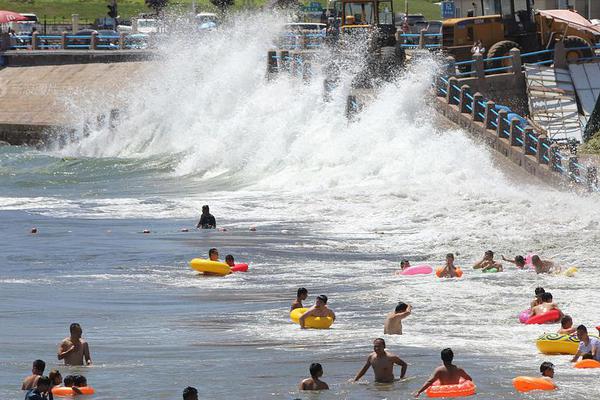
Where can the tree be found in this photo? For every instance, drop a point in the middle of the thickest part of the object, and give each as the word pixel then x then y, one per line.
pixel 222 5
pixel 156 5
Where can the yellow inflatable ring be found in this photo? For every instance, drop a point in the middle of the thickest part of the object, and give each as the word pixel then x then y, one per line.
pixel 311 322
pixel 555 343
pixel 210 267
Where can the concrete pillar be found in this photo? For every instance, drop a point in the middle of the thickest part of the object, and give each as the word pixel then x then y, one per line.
pixel 479 67
pixel 284 61
pixel 271 62
pixel 63 41
pixel 529 143
pixel 35 43
pixel 514 133
pixel 501 124
pixel 542 149
pixel 477 107
pixel 560 56
pixel 489 115
pixel 452 82
pixel 450 66
pixel 75 22
pixel 4 41
pixel 422 38
pixel 94 41
pixel 516 63
pixel 464 99
pixel 122 36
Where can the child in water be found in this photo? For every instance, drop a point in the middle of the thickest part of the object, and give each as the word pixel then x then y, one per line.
pixel 229 260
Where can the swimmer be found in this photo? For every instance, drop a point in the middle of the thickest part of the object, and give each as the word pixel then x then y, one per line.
pixel 547 371
pixel 447 374
pixel 488 262
pixel 539 291
pixel 587 345
pixel 74 350
pixel 519 261
pixel 320 309
pixel 229 260
pixel 393 321
pixel 41 390
pixel 37 370
pixel 543 266
pixel 55 378
pixel 382 362
pixel 314 382
pixel 190 393
pixel 449 270
pixel 207 220
pixel 547 305
pixel 300 297
pixel 566 326
pixel 213 254
pixel 404 264
pixel 68 381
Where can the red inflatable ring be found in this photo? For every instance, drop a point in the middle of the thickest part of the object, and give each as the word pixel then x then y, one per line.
pixel 550 316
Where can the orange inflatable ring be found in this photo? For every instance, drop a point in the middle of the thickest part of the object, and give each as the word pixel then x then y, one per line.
pixel 589 363
pixel 69 391
pixel 461 389
pixel 527 383
pixel 438 272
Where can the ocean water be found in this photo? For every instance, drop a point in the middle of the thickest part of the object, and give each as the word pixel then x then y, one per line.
pixel 336 206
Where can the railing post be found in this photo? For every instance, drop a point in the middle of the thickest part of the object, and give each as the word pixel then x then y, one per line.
pixel 451 83
pixel 555 159
pixel 542 149
pixel 516 63
pixel 271 62
pixel 63 40
pixel 592 178
pixel 422 38
pixel 501 124
pixel 514 132
pixel 35 45
pixel 451 66
pixel 464 99
pixel 573 169
pixel 528 142
pixel 477 107
pixel 489 115
pixel 122 40
pixel 306 70
pixel 479 67
pixel 94 41
pixel 284 61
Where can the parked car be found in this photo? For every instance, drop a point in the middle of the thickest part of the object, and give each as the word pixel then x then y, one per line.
pixel 82 39
pixel 407 23
pixel 108 39
pixel 207 21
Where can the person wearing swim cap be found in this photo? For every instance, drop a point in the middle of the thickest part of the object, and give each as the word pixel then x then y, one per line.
pixel 488 262
pixel 320 309
pixel 447 374
pixel 449 270
pixel 207 220
pixel 382 362
pixel 314 382
pixel 589 347
pixel 301 295
pixel 519 261
pixel 393 321
pixel 546 306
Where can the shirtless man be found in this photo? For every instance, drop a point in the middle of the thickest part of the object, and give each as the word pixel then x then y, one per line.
pixel 314 382
pixel 542 266
pixel 74 350
pixel 449 270
pixel 519 261
pixel 488 262
pixel 447 374
pixel 547 305
pixel 37 370
pixel 393 322
pixel 547 371
pixel 382 362
pixel 320 309
pixel 566 326
pixel 539 291
pixel 301 295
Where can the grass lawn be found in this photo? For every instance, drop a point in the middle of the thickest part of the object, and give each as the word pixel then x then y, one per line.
pixel 92 9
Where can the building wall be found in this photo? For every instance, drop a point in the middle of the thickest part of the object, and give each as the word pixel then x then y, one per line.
pixel 587 8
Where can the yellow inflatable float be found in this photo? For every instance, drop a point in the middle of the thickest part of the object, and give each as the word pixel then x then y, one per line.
pixel 210 267
pixel 555 343
pixel 311 322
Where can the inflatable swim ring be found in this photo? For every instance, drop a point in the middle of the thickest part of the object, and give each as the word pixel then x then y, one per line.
pixel 570 272
pixel 524 315
pixel 239 268
pixel 418 270
pixel 61 391
pixel 311 322
pixel 527 383
pixel 491 270
pixel 587 364
pixel 461 389
pixel 211 267
pixel 555 343
pixel 545 318
pixel 439 270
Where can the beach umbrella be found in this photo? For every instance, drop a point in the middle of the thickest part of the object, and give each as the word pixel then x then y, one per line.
pixel 9 16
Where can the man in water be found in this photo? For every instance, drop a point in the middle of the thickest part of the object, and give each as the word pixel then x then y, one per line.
pixel 547 305
pixel 207 220
pixel 539 291
pixel 393 322
pixel 542 266
pixel 314 382
pixel 519 261
pixel 547 371
pixel 74 350
pixel 447 374
pixel 449 270
pixel 301 295
pixel 320 309
pixel 589 347
pixel 382 362
pixel 37 370
pixel 190 393
pixel 566 326
pixel 488 262
pixel 40 392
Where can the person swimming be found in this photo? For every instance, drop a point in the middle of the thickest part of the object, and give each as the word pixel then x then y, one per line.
pixel 449 271
pixel 229 260
pixel 566 326
pixel 488 262
pixel 301 295
pixel 393 321
pixel 37 370
pixel 546 306
pixel 213 254
pixel 547 371
pixel 320 309
pixel 519 261
pixel 447 374
pixel 55 378
pixel 539 291
pixel 543 266
pixel 314 382
pixel 382 363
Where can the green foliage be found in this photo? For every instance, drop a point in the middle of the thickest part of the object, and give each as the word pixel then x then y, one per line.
pixel 592 146
pixel 222 5
pixel 156 5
